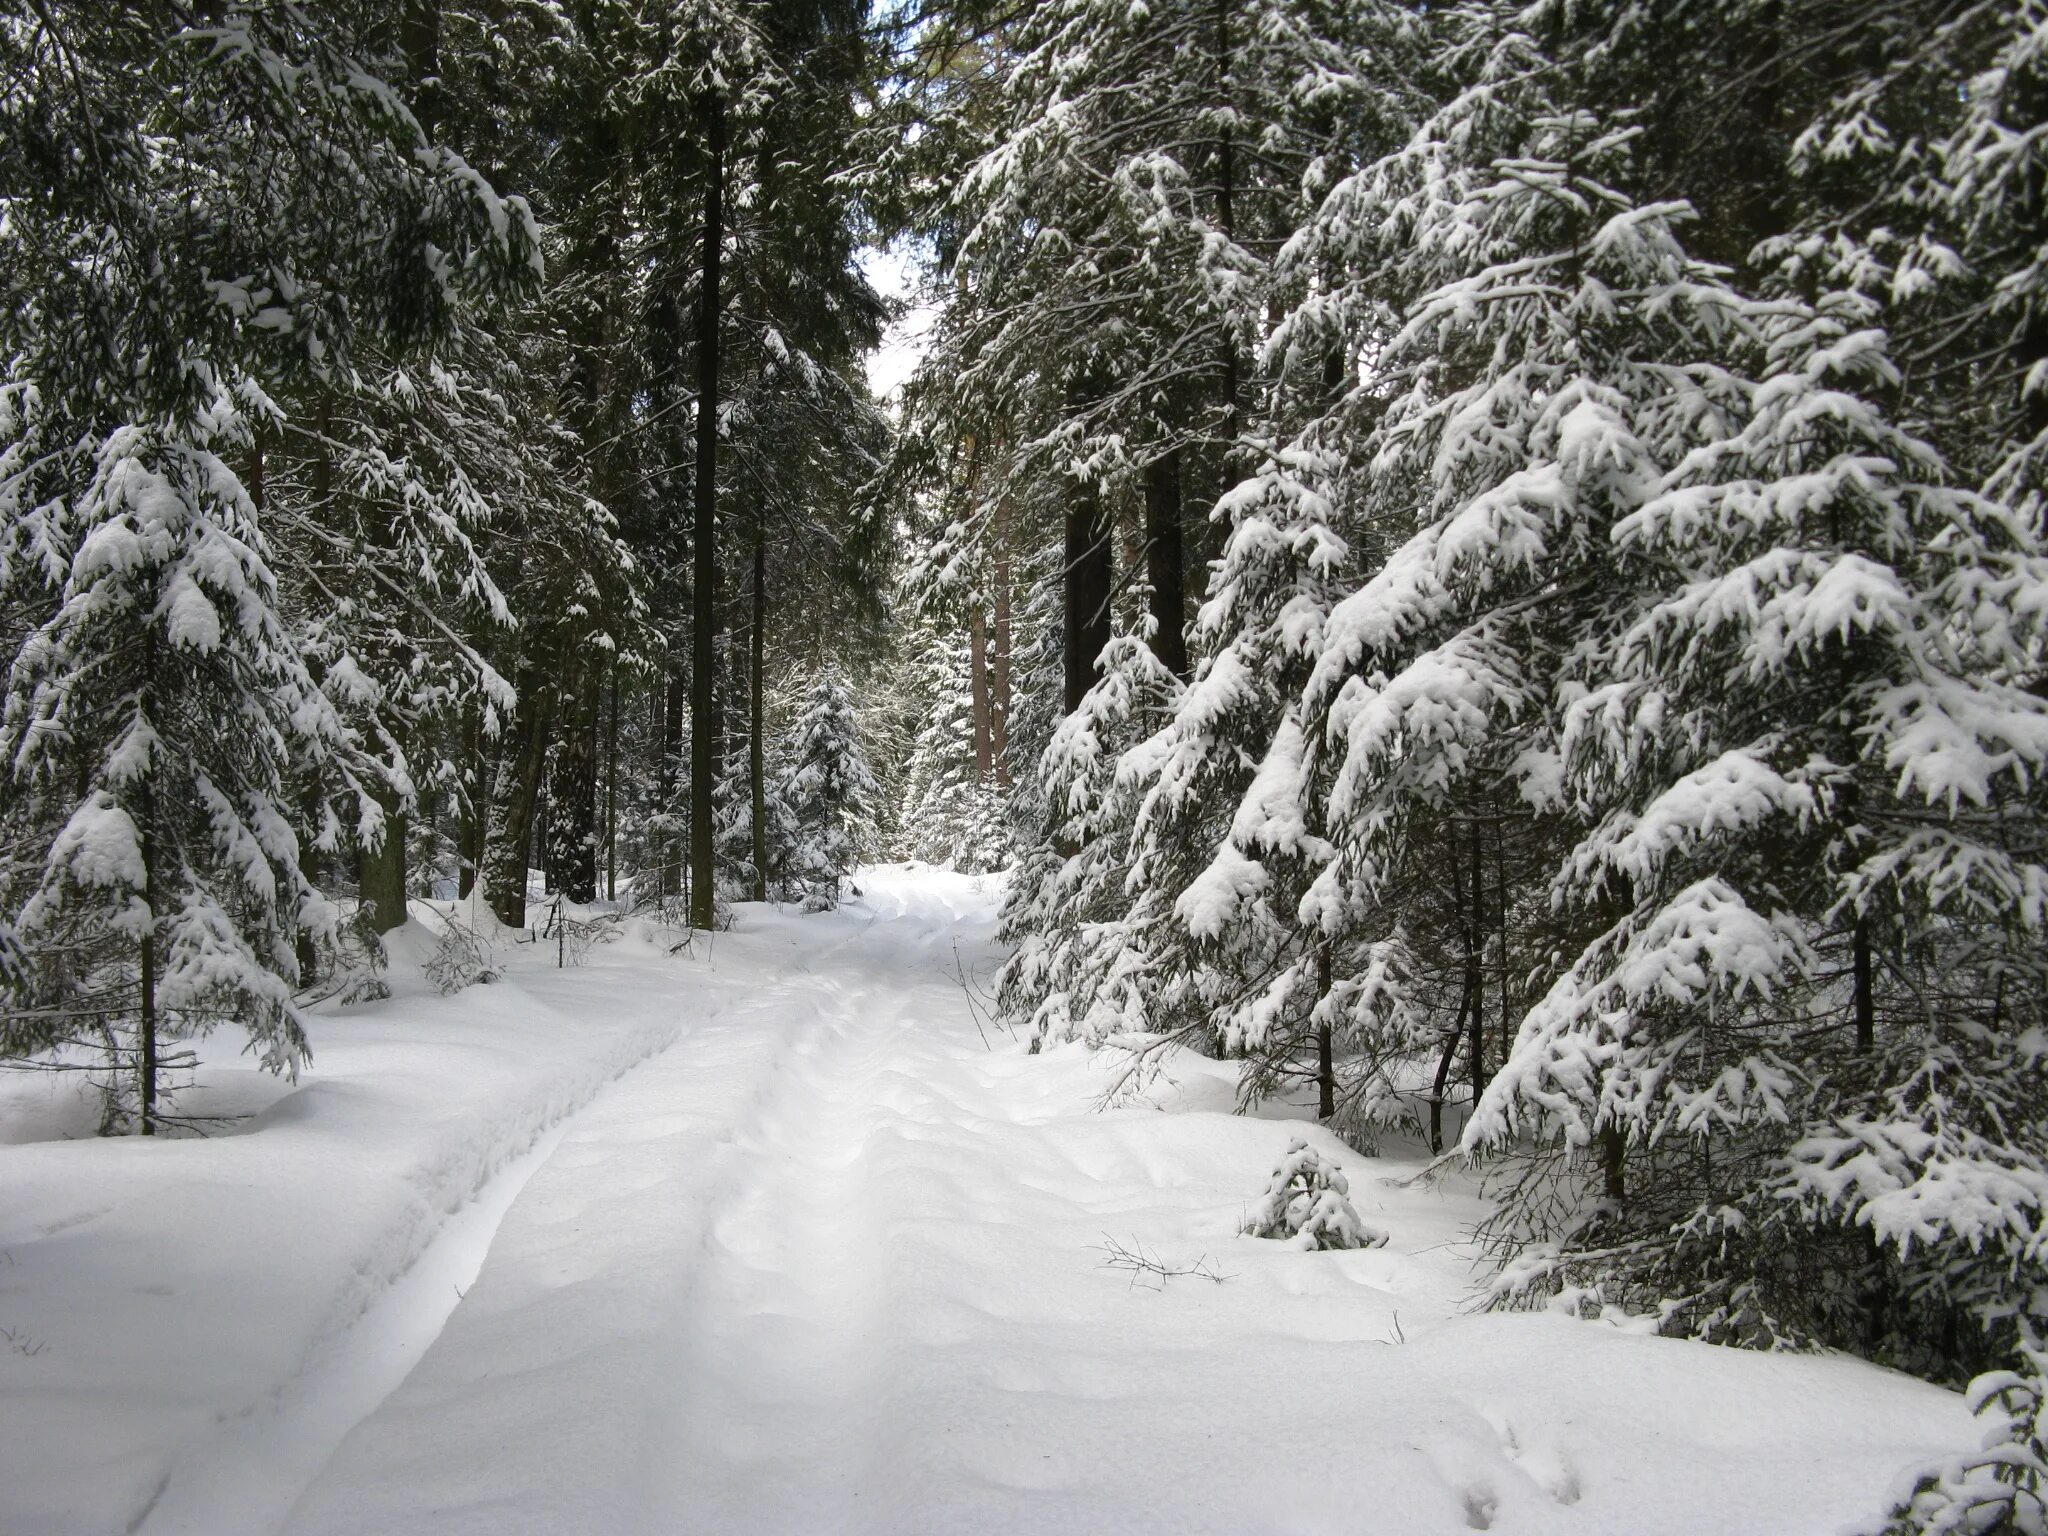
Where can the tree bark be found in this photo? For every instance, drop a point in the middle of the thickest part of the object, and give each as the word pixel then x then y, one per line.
pixel 704 729
pixel 999 670
pixel 1326 1062
pixel 469 823
pixel 307 951
pixel 1443 1078
pixel 1613 1163
pixel 672 700
pixel 977 691
pixel 517 793
pixel 380 869
pixel 1089 574
pixel 611 789
pixel 146 1026
pixel 1163 562
pixel 1230 366
pixel 1866 1005
pixel 1475 975
pixel 757 754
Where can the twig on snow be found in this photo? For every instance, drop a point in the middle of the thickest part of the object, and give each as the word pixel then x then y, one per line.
pixel 1149 1269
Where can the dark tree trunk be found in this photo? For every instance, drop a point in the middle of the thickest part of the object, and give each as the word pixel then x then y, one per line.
pixel 977 690
pixel 1475 975
pixel 514 803
pixel 674 701
pixel 469 824
pixel 1452 1038
pixel 572 805
pixel 757 753
pixel 1613 1163
pixel 611 789
pixel 1866 1005
pixel 146 1025
pixel 1088 578
pixel 999 669
pixel 1163 562
pixel 704 730
pixel 380 869
pixel 1326 1061
pixel 1230 366
pixel 309 871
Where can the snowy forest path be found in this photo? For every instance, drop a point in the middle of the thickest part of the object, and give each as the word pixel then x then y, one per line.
pixel 833 1263
pixel 678 1318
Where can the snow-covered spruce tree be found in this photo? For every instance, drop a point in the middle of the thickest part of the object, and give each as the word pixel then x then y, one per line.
pixel 1224 959
pixel 377 486
pixel 1218 865
pixel 1069 977
pixel 1790 1053
pixel 1113 279
pixel 199 217
pixel 830 793
pixel 1804 1033
pixel 2000 1489
pixel 1357 906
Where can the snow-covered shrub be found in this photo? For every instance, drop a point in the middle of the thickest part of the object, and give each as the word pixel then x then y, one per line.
pixel 2001 1489
pixel 462 957
pixel 1308 1205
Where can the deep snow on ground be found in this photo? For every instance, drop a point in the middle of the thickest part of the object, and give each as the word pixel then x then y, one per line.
pixel 779 1235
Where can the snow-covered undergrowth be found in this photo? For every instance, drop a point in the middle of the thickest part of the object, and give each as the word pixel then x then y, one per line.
pixel 831 1263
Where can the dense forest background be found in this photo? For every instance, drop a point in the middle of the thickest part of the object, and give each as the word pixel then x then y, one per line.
pixel 1485 559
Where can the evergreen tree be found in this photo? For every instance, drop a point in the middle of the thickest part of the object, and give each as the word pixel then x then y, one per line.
pixel 211 212
pixel 830 793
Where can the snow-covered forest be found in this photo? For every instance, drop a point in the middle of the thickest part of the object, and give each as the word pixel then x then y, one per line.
pixel 1028 765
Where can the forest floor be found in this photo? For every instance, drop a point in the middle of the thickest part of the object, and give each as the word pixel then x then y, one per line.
pixel 782 1235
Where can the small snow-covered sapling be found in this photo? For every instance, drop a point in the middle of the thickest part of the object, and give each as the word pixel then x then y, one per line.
pixel 1307 1206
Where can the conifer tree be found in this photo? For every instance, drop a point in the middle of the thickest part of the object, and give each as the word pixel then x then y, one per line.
pixel 213 210
pixel 831 795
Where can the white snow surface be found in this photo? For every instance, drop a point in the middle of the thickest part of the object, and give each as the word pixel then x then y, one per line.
pixel 778 1236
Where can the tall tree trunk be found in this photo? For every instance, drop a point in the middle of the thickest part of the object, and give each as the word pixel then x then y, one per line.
pixel 1865 1001
pixel 469 824
pixel 309 871
pixel 1086 588
pixel 704 731
pixel 999 669
pixel 1613 1163
pixel 146 1026
pixel 673 701
pixel 1451 1040
pixel 513 802
pixel 420 36
pixel 757 753
pixel 977 692
pixel 572 802
pixel 1230 365
pixel 1163 561
pixel 380 868
pixel 1326 1056
pixel 1475 975
pixel 611 789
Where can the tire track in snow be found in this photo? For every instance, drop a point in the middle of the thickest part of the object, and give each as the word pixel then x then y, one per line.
pixel 245 1480
pixel 779 1317
pixel 621 1230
